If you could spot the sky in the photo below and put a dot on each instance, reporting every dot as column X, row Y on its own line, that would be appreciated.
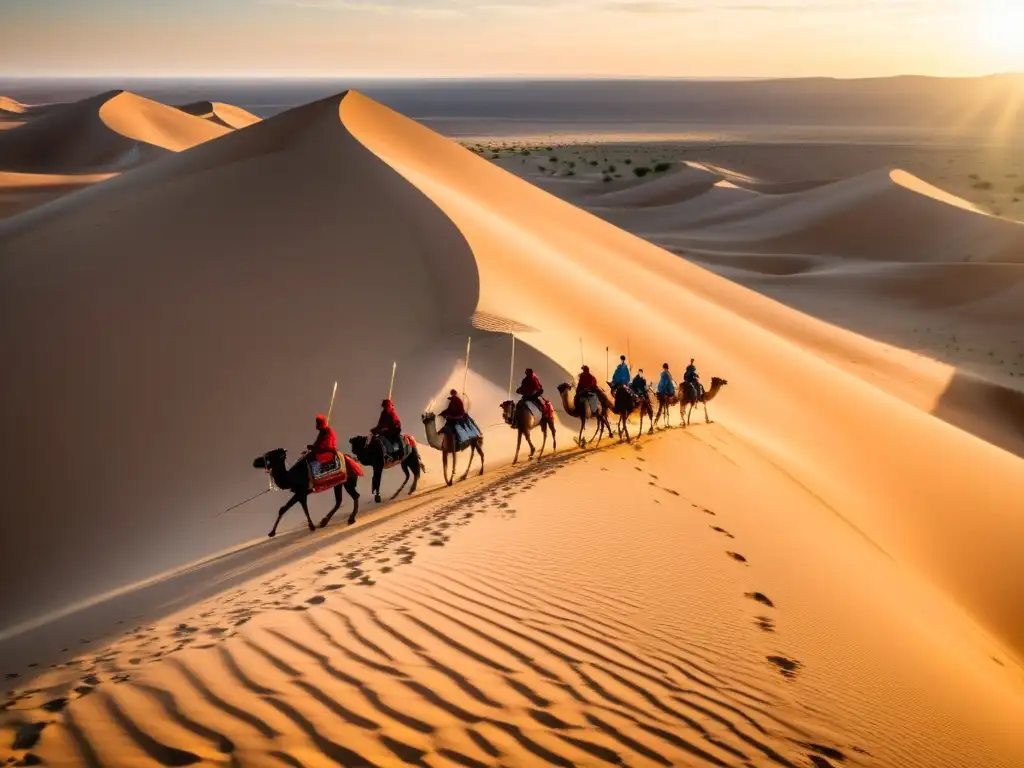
column 492, row 38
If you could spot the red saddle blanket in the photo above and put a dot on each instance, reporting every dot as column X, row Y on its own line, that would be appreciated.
column 331, row 476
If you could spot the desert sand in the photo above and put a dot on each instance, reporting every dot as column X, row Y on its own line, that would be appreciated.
column 826, row 575
column 50, row 150
column 220, row 114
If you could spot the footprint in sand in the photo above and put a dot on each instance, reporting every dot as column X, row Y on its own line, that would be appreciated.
column 788, row 667
column 331, row 587
column 737, row 557
column 761, row 598
column 716, row 529
column 316, row 600
column 765, row 624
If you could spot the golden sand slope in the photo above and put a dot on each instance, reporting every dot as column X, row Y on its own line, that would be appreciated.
column 23, row 191
column 9, row 107
column 186, row 344
column 219, row 113
column 111, row 131
column 594, row 609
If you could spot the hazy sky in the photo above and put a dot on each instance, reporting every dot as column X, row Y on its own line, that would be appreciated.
column 845, row 38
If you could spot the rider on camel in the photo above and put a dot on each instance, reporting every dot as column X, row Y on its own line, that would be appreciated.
column 324, row 450
column 587, row 385
column 622, row 375
column 531, row 389
column 639, row 384
column 389, row 425
column 666, row 384
column 692, row 377
column 454, row 413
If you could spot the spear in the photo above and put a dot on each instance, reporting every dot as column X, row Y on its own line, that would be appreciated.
column 465, row 375
column 331, row 408
column 512, row 366
column 392, row 387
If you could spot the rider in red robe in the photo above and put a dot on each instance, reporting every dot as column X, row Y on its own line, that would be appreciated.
column 587, row 381
column 324, row 449
column 388, row 424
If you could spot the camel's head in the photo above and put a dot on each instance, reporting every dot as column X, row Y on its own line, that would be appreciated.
column 358, row 443
column 565, row 387
column 508, row 410
column 717, row 382
column 428, row 417
column 270, row 458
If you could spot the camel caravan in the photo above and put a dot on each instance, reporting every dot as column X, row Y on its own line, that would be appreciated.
column 322, row 467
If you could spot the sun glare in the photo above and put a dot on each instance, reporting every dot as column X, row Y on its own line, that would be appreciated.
column 1000, row 26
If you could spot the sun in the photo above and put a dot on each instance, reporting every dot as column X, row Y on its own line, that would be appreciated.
column 1000, row 27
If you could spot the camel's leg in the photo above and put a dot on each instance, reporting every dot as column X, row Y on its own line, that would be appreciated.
column 625, row 428
column 519, row 444
column 378, row 470
column 554, row 437
column 280, row 513
column 337, row 506
column 529, row 442
column 480, row 450
column 405, row 469
column 707, row 419
column 350, row 486
column 579, row 438
column 305, row 509
column 543, row 440
column 417, row 467
column 469, row 464
column 455, row 457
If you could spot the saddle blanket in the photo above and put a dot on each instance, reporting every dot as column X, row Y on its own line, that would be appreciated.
column 465, row 430
column 323, row 476
column 396, row 452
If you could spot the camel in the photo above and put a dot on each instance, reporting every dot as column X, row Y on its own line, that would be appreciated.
column 296, row 480
column 446, row 445
column 520, row 416
column 371, row 453
column 601, row 415
column 626, row 403
column 687, row 396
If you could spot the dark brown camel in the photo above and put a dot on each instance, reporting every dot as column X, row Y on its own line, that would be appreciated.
column 371, row 453
column 296, row 480
column 520, row 416
column 625, row 403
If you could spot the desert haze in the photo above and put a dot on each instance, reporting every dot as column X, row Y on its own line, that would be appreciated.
column 822, row 568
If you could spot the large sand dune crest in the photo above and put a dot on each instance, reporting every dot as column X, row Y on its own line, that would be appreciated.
column 328, row 266
column 334, row 239
column 219, row 113
column 110, row 131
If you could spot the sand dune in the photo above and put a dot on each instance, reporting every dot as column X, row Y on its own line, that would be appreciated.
column 9, row 107
column 24, row 191
column 109, row 132
column 593, row 626
column 220, row 114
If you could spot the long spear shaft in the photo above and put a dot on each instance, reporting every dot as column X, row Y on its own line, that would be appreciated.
column 331, row 408
column 512, row 367
column 391, row 388
column 465, row 375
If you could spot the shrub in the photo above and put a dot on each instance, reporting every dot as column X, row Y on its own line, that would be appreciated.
column 662, row 167
column 641, row 170
column 982, row 185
